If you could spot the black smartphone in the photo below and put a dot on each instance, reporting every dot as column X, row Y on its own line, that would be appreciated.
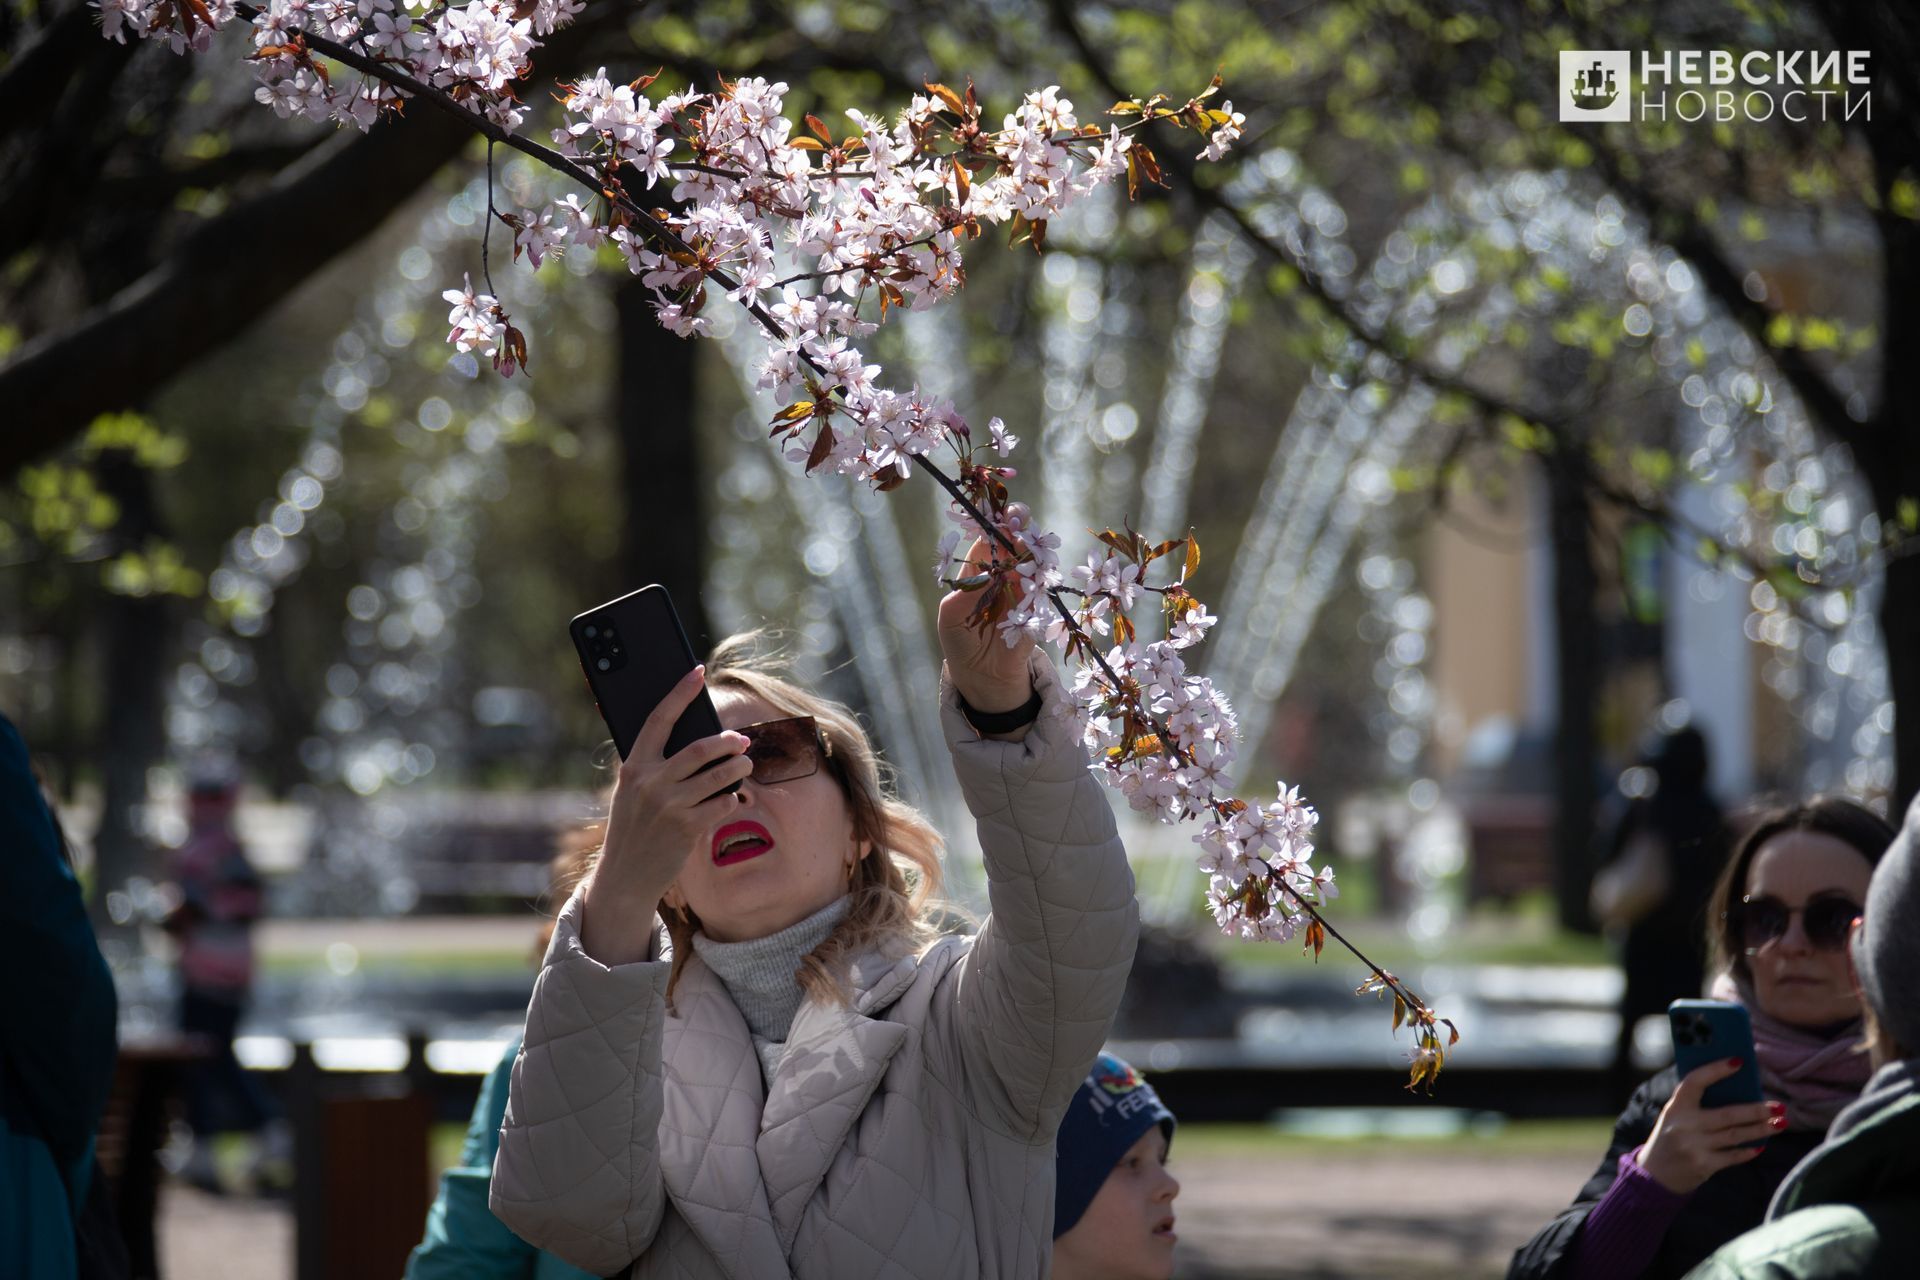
column 1709, row 1031
column 634, row 651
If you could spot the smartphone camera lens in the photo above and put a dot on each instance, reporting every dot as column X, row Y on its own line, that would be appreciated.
column 603, row 647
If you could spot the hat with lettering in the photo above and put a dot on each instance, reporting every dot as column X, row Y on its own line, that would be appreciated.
column 1110, row 1111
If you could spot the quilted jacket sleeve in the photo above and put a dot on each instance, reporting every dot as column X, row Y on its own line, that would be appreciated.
column 577, row 1172
column 1037, row 993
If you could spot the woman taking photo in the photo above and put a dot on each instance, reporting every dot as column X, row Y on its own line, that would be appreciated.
column 1680, row 1180
column 814, row 1085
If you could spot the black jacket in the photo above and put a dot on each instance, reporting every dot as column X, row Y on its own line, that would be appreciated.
column 1852, row 1208
column 1730, row 1202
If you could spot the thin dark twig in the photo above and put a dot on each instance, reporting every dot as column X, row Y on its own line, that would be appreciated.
column 486, row 228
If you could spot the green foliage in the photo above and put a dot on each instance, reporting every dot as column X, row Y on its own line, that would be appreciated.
column 58, row 510
column 64, row 509
column 158, row 569
column 134, row 434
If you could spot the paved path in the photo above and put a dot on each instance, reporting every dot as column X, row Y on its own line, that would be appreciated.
column 1347, row 1218
column 1338, row 1217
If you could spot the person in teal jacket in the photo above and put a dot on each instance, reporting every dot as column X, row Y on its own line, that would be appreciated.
column 464, row 1241
column 1851, row 1207
column 57, row 1032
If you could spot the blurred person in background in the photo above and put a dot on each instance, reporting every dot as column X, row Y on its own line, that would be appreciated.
column 1664, row 853
column 463, row 1240
column 57, row 1045
column 1851, row 1208
column 219, row 898
column 1679, row 1179
column 1113, row 1197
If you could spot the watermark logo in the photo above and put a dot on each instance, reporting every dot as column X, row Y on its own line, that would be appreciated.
column 1720, row 85
column 1593, row 85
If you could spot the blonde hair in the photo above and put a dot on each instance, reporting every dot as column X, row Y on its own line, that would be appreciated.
column 575, row 852
column 893, row 886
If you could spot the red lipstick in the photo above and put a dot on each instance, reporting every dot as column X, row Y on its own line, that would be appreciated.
column 738, row 841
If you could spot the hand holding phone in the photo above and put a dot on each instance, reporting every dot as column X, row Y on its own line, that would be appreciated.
column 678, row 771
column 1715, row 1118
column 634, row 651
column 1707, row 1031
column 665, row 809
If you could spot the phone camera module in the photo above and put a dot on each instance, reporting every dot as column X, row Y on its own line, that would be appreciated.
column 1692, row 1030
column 603, row 647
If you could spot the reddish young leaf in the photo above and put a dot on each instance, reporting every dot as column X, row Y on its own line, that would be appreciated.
column 819, row 128
column 822, row 446
column 1149, row 165
column 948, row 96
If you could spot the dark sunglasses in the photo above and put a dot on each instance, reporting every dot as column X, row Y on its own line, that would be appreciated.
column 783, row 750
column 1827, row 921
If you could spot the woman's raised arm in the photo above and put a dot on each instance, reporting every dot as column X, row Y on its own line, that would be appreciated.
column 1035, row 997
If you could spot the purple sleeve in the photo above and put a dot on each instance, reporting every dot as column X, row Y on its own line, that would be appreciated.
column 1623, row 1232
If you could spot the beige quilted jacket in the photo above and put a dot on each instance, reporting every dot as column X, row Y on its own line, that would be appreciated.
column 908, row 1136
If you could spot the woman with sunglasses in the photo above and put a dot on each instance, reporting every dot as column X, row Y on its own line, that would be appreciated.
column 1680, row 1179
column 815, row 1084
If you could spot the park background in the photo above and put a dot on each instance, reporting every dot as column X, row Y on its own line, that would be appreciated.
column 1504, row 439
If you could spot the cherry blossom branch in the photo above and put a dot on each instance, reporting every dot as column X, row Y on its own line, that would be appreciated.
column 889, row 232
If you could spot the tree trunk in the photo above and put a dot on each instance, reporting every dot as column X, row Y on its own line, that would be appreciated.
column 1575, row 582
column 1889, row 457
column 661, row 479
column 131, row 732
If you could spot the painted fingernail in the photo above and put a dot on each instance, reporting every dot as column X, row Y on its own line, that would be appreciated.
column 1778, row 1122
column 1778, row 1108
column 1736, row 1063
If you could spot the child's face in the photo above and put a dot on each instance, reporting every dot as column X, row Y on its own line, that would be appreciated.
column 1127, row 1232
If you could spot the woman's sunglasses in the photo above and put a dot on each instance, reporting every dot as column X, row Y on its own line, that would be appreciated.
column 1827, row 921
column 783, row 750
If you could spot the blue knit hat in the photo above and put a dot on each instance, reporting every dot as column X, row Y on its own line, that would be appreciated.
column 1110, row 1111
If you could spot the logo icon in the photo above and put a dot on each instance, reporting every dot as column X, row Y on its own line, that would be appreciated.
column 1593, row 85
column 1114, row 1075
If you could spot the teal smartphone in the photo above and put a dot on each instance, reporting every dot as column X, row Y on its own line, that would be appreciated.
column 1709, row 1031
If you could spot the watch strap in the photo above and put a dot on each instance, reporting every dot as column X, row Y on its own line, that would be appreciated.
column 1002, row 721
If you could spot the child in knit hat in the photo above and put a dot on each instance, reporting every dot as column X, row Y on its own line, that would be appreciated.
column 1113, row 1196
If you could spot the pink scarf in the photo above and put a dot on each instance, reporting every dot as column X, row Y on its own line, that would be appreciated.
column 1815, row 1075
